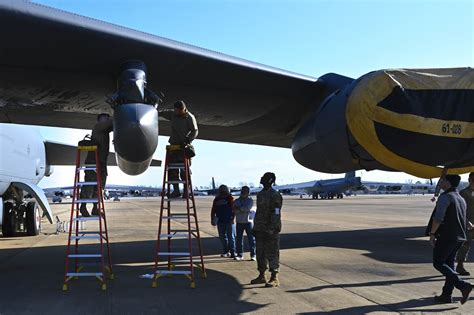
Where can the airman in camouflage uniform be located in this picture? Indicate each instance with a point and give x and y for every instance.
(267, 227)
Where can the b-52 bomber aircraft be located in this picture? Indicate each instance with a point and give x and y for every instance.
(57, 67)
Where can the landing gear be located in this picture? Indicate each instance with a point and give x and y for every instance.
(25, 217)
(9, 220)
(33, 219)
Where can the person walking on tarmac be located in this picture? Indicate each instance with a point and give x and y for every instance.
(267, 228)
(184, 130)
(468, 195)
(99, 137)
(448, 232)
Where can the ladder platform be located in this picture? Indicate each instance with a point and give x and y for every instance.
(173, 254)
(84, 274)
(84, 255)
(173, 272)
(86, 183)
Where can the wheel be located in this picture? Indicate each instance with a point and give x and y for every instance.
(33, 219)
(9, 220)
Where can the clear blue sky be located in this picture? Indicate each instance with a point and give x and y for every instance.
(308, 37)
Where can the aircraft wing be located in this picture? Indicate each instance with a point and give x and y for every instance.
(56, 69)
(63, 154)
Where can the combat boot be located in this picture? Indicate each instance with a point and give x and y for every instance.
(273, 281)
(260, 279)
(83, 210)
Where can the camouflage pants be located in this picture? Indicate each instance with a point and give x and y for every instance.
(268, 250)
(463, 251)
(90, 192)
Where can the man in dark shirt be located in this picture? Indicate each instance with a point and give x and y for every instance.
(448, 232)
(99, 137)
(184, 130)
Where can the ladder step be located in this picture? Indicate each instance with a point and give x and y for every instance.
(89, 237)
(182, 214)
(183, 230)
(86, 201)
(173, 272)
(84, 255)
(94, 218)
(174, 235)
(176, 167)
(90, 232)
(173, 254)
(174, 217)
(176, 182)
(85, 169)
(84, 274)
(86, 183)
(176, 164)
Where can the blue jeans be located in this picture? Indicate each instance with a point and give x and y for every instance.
(227, 236)
(444, 254)
(247, 227)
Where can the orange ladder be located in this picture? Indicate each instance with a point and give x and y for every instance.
(78, 221)
(182, 225)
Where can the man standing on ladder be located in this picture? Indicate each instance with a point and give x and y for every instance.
(184, 130)
(99, 137)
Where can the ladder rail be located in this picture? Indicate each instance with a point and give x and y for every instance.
(76, 175)
(198, 236)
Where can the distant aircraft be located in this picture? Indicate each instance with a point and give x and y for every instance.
(330, 188)
(56, 69)
(397, 188)
(325, 188)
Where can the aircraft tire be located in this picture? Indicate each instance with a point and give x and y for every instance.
(9, 220)
(33, 219)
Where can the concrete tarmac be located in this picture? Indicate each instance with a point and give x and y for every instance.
(359, 255)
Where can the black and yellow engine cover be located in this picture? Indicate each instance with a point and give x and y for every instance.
(416, 121)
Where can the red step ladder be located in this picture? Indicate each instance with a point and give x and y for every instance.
(80, 260)
(181, 224)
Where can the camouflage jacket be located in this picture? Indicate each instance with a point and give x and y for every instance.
(268, 216)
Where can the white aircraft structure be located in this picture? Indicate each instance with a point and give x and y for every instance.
(25, 158)
(23, 163)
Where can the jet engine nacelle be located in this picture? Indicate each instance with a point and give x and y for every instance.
(135, 136)
(135, 119)
(415, 121)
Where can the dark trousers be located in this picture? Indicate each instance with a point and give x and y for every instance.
(268, 251)
(463, 251)
(444, 254)
(90, 192)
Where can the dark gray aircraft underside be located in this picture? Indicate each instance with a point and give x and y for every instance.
(56, 69)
